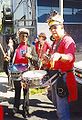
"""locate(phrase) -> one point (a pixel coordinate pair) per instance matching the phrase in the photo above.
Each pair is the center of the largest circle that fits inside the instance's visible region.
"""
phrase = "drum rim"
(39, 77)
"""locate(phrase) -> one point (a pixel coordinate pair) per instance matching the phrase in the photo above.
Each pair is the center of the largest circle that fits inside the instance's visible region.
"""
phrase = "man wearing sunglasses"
(63, 57)
(23, 54)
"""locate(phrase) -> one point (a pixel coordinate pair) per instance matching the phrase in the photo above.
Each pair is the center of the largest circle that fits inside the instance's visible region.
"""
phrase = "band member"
(42, 49)
(63, 57)
(23, 54)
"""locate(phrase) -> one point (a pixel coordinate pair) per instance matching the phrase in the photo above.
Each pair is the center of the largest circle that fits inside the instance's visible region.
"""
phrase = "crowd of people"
(60, 55)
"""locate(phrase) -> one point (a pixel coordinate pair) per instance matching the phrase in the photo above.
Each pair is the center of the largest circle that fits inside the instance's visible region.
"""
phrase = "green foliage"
(2, 74)
(33, 91)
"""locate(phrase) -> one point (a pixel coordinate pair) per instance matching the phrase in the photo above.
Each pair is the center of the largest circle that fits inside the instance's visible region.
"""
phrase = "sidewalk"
(40, 107)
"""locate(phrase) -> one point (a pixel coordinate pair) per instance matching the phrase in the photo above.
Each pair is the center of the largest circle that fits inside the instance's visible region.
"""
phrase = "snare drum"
(34, 77)
(16, 70)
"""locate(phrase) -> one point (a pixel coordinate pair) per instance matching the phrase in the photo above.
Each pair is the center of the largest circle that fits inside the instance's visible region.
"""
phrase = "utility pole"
(61, 7)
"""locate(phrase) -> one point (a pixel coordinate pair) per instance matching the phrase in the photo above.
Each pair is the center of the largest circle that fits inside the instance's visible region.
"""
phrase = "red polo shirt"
(67, 46)
(19, 58)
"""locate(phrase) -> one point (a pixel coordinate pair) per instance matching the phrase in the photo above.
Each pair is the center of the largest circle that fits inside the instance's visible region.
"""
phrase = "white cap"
(23, 30)
(58, 18)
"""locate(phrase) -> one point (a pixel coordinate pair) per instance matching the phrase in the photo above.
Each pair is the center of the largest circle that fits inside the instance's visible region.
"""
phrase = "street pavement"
(40, 108)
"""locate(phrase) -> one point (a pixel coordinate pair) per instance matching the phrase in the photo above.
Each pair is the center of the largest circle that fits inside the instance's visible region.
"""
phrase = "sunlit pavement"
(40, 107)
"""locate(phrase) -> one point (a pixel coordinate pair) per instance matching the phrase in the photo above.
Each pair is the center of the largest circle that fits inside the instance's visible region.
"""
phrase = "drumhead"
(34, 74)
(78, 65)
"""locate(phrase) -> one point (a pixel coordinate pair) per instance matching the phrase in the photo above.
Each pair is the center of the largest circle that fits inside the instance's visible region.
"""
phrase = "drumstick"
(40, 64)
(2, 50)
(6, 57)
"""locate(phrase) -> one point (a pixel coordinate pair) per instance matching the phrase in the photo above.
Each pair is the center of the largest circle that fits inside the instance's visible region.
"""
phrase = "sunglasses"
(25, 36)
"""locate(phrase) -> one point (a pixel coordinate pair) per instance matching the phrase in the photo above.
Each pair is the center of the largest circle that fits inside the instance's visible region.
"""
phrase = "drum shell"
(78, 75)
(34, 83)
(34, 78)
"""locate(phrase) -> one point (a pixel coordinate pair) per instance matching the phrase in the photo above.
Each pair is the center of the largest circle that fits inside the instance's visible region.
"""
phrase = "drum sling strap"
(57, 45)
(51, 81)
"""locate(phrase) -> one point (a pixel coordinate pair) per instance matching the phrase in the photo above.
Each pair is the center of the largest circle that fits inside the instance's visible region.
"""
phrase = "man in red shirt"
(23, 54)
(63, 57)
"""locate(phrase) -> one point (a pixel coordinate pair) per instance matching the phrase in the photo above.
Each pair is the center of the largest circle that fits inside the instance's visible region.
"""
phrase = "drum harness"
(52, 80)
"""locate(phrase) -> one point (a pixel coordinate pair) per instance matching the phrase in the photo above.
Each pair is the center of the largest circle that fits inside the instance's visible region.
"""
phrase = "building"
(33, 15)
(71, 10)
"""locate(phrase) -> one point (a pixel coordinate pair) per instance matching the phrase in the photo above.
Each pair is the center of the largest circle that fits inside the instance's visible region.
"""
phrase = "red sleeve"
(36, 46)
(70, 48)
(1, 113)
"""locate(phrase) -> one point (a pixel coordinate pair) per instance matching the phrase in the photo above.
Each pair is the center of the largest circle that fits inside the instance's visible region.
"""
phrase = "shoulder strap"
(57, 45)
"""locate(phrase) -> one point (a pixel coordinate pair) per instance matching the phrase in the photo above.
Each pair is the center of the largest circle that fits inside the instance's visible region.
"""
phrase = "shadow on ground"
(41, 109)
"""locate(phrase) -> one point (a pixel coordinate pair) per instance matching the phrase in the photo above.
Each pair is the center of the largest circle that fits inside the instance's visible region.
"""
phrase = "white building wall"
(44, 28)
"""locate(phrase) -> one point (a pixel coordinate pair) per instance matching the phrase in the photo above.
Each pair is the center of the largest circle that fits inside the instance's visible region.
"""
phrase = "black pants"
(51, 92)
(17, 85)
(5, 66)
